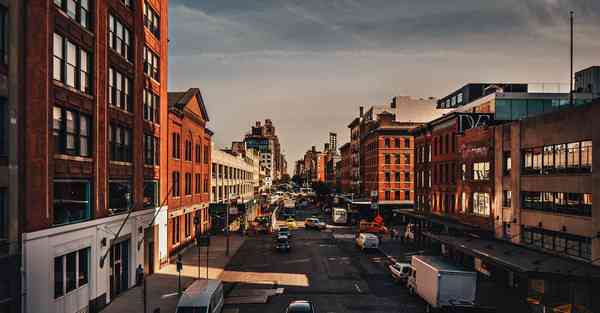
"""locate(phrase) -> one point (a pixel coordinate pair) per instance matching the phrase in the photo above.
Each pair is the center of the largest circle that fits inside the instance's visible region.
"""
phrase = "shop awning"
(517, 258)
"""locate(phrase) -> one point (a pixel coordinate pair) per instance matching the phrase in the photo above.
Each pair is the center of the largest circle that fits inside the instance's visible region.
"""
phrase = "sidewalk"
(162, 285)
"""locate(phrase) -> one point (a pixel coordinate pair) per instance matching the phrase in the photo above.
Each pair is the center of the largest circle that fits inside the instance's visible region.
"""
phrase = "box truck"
(441, 284)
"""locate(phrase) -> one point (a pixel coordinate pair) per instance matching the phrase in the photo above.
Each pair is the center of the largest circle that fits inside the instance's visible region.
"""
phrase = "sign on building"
(473, 120)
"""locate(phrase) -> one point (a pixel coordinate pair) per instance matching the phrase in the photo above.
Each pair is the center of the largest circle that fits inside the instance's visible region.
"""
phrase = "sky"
(309, 64)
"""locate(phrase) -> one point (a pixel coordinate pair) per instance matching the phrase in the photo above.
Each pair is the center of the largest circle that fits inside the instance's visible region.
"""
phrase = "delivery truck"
(440, 284)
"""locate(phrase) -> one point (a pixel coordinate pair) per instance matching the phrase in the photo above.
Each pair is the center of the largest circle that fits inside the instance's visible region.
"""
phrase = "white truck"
(441, 284)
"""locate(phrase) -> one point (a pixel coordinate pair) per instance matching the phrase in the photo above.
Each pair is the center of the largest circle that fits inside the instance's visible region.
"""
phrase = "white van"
(202, 296)
(367, 241)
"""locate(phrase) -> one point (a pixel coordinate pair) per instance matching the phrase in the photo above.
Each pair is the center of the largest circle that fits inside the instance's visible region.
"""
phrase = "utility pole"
(571, 76)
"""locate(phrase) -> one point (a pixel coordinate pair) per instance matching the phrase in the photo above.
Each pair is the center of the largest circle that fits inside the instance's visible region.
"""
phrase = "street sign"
(374, 193)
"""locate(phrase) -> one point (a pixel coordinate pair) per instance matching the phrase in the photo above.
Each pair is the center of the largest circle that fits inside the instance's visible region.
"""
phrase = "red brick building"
(475, 181)
(453, 169)
(387, 152)
(188, 165)
(96, 80)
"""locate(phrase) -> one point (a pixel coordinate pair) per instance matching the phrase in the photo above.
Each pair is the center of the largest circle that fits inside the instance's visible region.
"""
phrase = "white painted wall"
(40, 248)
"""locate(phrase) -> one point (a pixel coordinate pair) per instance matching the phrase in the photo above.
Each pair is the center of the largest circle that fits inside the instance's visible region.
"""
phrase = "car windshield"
(299, 308)
(190, 309)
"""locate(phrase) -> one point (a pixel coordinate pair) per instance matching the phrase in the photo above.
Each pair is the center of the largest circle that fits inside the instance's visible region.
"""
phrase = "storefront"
(519, 277)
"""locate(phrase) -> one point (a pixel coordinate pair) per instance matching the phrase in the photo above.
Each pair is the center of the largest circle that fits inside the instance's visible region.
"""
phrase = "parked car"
(314, 223)
(301, 306)
(400, 271)
(283, 244)
(291, 223)
(367, 241)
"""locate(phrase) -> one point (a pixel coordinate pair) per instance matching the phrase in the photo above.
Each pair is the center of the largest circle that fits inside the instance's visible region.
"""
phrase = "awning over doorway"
(517, 258)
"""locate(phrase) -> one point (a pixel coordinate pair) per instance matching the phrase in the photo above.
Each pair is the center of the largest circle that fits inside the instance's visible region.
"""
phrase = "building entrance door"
(119, 264)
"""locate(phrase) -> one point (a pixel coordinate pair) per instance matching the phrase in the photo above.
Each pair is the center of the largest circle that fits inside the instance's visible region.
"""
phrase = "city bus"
(339, 216)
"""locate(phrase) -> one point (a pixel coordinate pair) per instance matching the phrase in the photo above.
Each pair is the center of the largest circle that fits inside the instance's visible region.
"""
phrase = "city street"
(332, 273)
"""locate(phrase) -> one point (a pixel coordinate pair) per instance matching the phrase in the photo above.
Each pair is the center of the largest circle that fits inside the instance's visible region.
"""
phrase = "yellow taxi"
(291, 223)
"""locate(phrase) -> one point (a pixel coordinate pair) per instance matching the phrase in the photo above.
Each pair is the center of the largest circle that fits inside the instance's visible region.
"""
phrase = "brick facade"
(187, 122)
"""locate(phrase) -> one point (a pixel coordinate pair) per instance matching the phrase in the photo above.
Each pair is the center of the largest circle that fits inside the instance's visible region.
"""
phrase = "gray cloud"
(309, 64)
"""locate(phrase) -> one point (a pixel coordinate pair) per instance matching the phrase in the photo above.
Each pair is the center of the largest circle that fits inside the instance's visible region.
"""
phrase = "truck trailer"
(441, 284)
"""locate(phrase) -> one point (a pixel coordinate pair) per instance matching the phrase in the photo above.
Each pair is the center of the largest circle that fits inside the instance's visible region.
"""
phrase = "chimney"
(326, 147)
(314, 148)
(257, 123)
(361, 111)
(393, 104)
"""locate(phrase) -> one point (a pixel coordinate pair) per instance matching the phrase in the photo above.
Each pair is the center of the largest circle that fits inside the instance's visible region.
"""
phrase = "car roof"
(199, 293)
(300, 306)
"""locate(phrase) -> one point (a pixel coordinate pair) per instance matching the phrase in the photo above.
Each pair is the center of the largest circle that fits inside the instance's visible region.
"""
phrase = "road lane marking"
(296, 261)
(357, 288)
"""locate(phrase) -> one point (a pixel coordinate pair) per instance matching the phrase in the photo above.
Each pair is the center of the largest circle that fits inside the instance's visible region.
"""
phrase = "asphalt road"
(332, 273)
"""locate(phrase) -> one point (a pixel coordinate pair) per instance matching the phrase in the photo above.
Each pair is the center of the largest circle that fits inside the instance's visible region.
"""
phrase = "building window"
(151, 107)
(3, 127)
(570, 244)
(406, 195)
(507, 163)
(176, 146)
(151, 150)
(387, 177)
(387, 195)
(406, 158)
(151, 193)
(558, 202)
(71, 201)
(198, 188)
(175, 231)
(197, 153)
(188, 150)
(187, 226)
(151, 64)
(387, 159)
(205, 185)
(175, 184)
(507, 198)
(120, 143)
(71, 132)
(459, 98)
(120, 196)
(397, 177)
(397, 195)
(188, 184)
(151, 20)
(387, 142)
(127, 3)
(78, 10)
(481, 203)
(119, 90)
(71, 64)
(3, 35)
(119, 37)
(573, 157)
(206, 154)
(71, 271)
(481, 170)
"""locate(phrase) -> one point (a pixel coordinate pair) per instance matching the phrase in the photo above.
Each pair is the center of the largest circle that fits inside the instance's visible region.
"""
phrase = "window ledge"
(116, 108)
(60, 84)
(73, 158)
(152, 166)
(124, 163)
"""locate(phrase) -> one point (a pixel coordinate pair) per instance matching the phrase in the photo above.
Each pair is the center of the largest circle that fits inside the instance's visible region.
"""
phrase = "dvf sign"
(473, 120)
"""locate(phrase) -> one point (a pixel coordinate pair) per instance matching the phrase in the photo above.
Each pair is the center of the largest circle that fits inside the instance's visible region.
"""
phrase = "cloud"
(309, 64)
